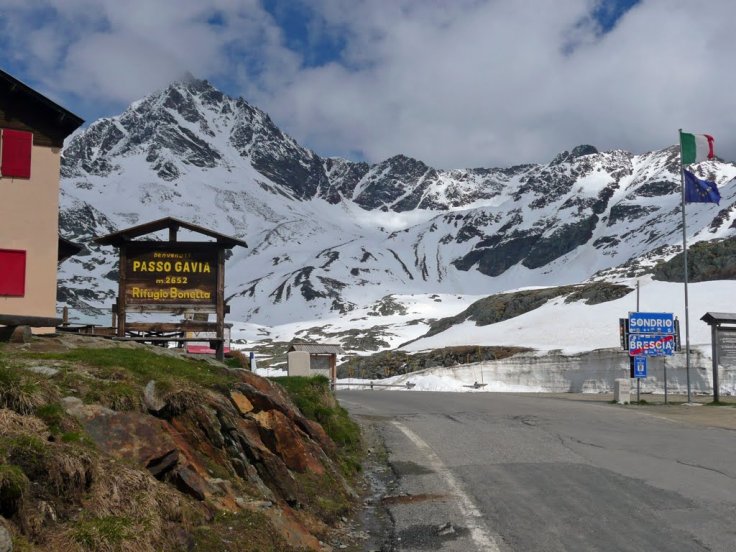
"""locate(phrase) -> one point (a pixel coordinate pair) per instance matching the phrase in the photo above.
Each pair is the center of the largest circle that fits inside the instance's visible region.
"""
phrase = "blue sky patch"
(609, 12)
(301, 27)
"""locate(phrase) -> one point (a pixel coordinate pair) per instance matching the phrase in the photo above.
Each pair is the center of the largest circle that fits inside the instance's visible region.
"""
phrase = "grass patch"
(78, 437)
(16, 391)
(119, 396)
(143, 366)
(103, 533)
(329, 506)
(246, 531)
(233, 362)
(21, 544)
(28, 452)
(53, 414)
(315, 399)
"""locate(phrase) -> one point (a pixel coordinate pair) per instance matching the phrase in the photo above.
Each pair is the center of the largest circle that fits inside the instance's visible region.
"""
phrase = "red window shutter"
(16, 153)
(12, 272)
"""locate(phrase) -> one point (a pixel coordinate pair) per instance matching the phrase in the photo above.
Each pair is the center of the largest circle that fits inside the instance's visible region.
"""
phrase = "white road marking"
(478, 530)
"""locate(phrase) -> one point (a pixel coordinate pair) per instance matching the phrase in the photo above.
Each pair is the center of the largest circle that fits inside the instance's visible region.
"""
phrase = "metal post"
(638, 390)
(637, 296)
(638, 380)
(220, 306)
(664, 362)
(684, 259)
(714, 338)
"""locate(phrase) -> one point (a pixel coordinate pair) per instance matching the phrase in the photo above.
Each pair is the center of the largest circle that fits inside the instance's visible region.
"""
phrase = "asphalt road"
(522, 473)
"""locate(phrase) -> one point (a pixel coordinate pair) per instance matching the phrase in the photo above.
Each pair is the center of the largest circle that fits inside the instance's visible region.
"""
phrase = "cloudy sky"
(455, 83)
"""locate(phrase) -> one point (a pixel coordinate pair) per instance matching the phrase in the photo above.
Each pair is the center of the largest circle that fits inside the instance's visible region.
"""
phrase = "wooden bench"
(17, 328)
(214, 342)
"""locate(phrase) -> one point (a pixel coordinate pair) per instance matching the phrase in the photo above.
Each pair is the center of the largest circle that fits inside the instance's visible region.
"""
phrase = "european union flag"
(700, 191)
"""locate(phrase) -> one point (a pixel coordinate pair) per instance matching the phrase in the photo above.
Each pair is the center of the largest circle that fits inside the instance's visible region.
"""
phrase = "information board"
(651, 345)
(726, 342)
(177, 273)
(640, 367)
(651, 323)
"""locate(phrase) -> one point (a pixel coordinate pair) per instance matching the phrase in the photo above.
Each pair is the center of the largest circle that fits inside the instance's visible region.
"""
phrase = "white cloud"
(106, 50)
(495, 83)
(467, 83)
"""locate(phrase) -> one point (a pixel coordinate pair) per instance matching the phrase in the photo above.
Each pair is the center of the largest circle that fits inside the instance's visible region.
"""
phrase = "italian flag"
(695, 148)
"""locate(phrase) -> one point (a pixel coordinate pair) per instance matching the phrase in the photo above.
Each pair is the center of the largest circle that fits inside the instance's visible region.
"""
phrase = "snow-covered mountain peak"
(333, 235)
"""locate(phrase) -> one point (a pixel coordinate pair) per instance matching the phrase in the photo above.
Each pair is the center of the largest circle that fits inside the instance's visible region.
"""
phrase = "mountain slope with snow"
(330, 237)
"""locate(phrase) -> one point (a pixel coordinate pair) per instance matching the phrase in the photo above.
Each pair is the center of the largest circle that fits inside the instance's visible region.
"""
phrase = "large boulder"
(131, 436)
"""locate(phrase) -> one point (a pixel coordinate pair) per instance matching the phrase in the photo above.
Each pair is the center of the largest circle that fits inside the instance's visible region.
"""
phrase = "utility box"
(622, 391)
(298, 363)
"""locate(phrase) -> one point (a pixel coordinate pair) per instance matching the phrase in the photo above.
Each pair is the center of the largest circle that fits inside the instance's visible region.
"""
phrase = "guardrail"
(407, 385)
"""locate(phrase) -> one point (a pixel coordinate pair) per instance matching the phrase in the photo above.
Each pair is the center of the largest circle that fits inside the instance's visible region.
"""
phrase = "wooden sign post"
(170, 276)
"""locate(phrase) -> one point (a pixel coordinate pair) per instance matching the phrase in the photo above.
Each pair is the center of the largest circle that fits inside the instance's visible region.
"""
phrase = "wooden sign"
(170, 273)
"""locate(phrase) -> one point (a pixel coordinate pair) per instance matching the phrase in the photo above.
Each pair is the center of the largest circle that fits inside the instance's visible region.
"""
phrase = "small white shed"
(311, 359)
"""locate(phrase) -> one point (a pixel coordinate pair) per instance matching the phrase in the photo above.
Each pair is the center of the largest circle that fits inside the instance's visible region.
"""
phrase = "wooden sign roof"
(172, 224)
(719, 318)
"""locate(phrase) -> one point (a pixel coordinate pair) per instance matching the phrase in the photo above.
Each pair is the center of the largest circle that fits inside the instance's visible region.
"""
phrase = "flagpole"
(684, 258)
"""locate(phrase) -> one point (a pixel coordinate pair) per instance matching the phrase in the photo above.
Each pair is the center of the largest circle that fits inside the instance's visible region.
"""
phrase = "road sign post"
(640, 367)
(638, 371)
(648, 334)
(657, 323)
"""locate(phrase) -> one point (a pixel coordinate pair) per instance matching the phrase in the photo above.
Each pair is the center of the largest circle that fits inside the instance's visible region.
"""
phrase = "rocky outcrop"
(705, 261)
(391, 363)
(96, 455)
(225, 449)
(497, 308)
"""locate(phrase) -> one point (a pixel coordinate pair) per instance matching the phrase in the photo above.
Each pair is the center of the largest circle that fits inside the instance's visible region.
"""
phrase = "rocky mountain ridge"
(330, 235)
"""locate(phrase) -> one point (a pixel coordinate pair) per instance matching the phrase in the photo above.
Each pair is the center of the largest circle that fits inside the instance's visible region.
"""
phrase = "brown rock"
(206, 419)
(189, 482)
(268, 397)
(317, 432)
(261, 384)
(129, 435)
(241, 402)
(250, 438)
(271, 469)
(160, 466)
(260, 400)
(193, 445)
(293, 532)
(16, 334)
(280, 435)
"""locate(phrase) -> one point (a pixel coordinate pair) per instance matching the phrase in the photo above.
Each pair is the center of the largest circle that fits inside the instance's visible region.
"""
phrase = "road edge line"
(478, 531)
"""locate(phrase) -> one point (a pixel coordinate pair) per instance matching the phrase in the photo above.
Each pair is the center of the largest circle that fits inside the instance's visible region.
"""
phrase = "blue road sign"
(640, 367)
(652, 323)
(651, 345)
